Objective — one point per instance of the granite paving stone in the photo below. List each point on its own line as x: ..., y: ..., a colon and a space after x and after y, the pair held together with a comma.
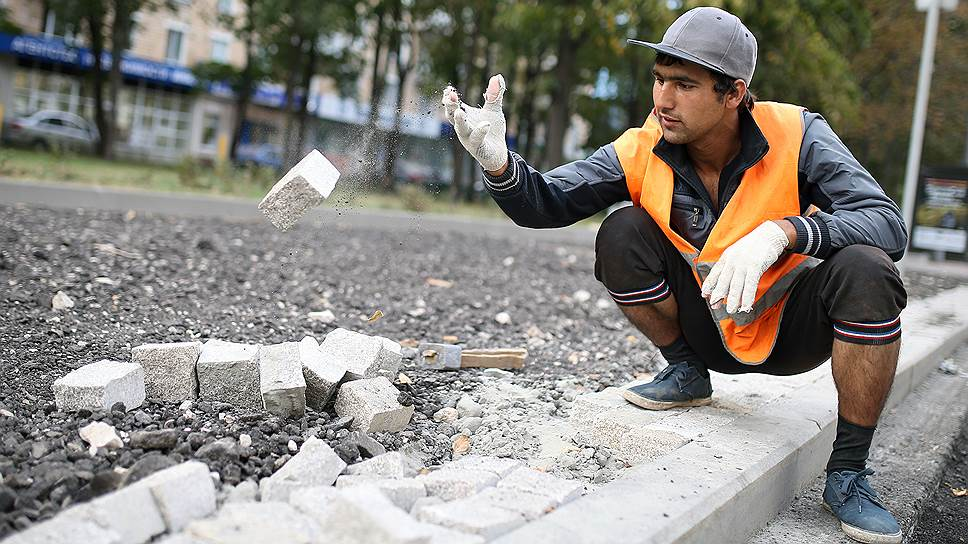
x: 281, y: 377
x: 183, y: 493
x: 362, y: 355
x: 131, y: 512
x: 65, y: 531
x: 364, y: 515
x: 472, y: 515
x: 373, y: 405
x: 533, y: 481
x: 322, y: 374
x: 229, y: 372
x: 392, y: 464
x: 316, y: 464
x: 455, y: 483
x: 257, y: 522
x: 303, y: 187
x: 169, y: 370
x: 98, y: 386
x: 402, y: 492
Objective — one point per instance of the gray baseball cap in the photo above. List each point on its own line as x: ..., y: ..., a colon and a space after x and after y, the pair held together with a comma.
x: 712, y: 38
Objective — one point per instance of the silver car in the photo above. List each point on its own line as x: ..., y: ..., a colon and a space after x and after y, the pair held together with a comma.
x: 49, y: 129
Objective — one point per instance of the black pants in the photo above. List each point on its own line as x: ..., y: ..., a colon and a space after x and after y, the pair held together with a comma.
x: 855, y: 296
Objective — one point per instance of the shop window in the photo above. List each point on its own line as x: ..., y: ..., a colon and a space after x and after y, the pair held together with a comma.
x: 175, y: 47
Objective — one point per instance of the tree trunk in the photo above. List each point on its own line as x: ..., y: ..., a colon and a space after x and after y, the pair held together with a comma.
x: 120, y: 34
x: 527, y: 111
x: 244, y: 92
x: 404, y: 68
x: 96, y: 28
x: 634, y: 103
x: 289, y: 137
x: 565, y: 73
x: 309, y: 68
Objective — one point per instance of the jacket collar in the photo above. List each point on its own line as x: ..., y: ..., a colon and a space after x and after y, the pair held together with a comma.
x: 753, y: 147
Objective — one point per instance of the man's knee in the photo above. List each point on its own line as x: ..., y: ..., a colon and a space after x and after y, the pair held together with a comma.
x: 865, y: 290
x: 620, y: 228
x: 865, y: 267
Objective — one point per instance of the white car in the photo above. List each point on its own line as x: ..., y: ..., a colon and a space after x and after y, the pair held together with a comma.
x: 49, y: 129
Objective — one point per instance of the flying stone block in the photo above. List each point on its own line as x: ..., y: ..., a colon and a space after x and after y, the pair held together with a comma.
x: 229, y: 372
x: 302, y: 188
x: 169, y: 370
x: 100, y: 385
x: 281, y: 378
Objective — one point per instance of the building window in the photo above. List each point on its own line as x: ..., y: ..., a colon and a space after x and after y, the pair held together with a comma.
x: 224, y: 7
x: 210, y: 122
x: 220, y: 50
x: 57, y: 26
x: 173, y: 52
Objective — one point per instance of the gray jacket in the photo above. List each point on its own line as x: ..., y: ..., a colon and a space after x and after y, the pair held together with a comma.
x: 853, y: 208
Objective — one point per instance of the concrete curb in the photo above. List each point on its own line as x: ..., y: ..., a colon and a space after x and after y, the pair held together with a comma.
x: 73, y: 196
x: 726, y: 485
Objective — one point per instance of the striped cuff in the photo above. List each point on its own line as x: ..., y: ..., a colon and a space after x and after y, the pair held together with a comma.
x: 506, y: 181
x: 650, y: 295
x: 813, y: 238
x: 874, y: 333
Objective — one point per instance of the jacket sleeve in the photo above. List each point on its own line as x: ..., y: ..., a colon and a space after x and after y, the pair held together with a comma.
x: 853, y: 207
x: 562, y: 196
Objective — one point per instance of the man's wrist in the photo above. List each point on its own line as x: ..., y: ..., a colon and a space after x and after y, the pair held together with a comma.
x: 790, y: 230
x: 500, y: 172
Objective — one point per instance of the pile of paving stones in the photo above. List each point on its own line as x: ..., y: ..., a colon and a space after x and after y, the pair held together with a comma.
x: 316, y: 497
x: 283, y: 379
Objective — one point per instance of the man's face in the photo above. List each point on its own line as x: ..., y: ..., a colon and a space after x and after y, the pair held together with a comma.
x: 685, y: 102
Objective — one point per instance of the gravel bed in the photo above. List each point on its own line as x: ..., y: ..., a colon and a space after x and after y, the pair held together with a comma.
x: 141, y: 279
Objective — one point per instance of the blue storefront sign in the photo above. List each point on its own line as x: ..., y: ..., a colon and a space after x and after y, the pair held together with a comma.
x: 54, y: 50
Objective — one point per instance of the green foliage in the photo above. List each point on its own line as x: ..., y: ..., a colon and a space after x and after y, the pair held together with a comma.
x: 6, y: 25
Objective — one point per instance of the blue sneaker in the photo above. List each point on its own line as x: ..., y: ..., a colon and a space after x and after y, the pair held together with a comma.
x: 849, y: 496
x: 678, y: 385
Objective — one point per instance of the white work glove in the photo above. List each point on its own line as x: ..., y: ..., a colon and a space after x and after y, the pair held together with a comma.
x: 737, y: 273
x: 481, y: 130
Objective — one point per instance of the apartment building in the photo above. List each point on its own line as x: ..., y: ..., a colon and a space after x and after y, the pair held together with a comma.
x: 164, y: 113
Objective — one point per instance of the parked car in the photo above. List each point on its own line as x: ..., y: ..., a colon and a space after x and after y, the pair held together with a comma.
x: 50, y: 129
x: 413, y: 172
x: 269, y: 155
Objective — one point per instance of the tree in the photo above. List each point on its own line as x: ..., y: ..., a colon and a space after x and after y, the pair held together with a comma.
x: 106, y: 25
x: 304, y: 39
x: 886, y: 70
x: 407, y: 25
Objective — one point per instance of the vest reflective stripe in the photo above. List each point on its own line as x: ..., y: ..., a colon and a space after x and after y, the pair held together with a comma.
x: 769, y: 191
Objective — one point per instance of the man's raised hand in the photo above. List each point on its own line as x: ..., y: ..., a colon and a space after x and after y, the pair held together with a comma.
x: 482, y: 131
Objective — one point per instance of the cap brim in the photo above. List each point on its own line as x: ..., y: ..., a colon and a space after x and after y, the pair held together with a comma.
x: 673, y: 52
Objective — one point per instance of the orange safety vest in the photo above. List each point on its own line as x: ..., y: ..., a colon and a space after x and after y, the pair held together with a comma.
x: 769, y: 191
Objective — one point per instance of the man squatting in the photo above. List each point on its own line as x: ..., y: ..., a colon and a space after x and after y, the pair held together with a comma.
x: 755, y: 243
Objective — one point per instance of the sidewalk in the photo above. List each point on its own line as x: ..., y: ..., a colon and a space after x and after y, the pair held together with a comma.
x: 720, y: 473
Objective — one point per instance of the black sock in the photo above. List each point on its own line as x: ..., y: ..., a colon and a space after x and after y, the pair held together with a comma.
x: 680, y: 352
x: 851, y: 447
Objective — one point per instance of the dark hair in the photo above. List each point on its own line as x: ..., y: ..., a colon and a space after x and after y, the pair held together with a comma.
x: 722, y: 83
